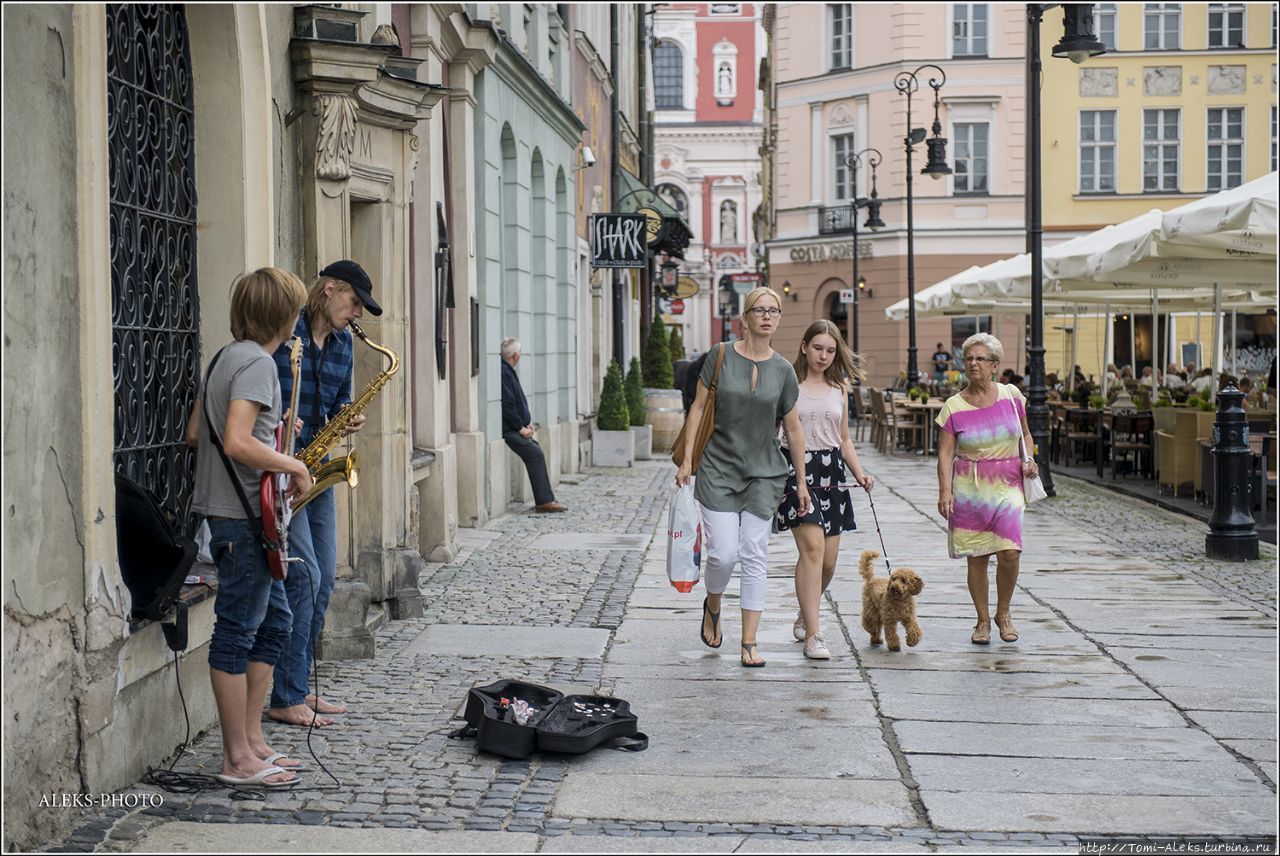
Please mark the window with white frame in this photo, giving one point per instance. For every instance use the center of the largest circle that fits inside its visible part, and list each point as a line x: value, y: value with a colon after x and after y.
x: 1226, y: 25
x: 668, y: 76
x: 1104, y: 24
x: 844, y: 189
x: 1097, y: 151
x: 1162, y: 26
x: 970, y: 168
x: 1224, y: 166
x: 725, y: 55
x: 840, y: 18
x: 969, y: 29
x: 1161, y: 148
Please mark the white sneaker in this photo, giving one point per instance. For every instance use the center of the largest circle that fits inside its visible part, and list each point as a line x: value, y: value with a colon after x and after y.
x: 797, y: 629
x: 816, y: 649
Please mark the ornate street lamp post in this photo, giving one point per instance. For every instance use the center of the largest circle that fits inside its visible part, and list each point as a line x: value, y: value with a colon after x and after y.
x: 908, y: 82
x: 1077, y: 44
x: 874, y: 223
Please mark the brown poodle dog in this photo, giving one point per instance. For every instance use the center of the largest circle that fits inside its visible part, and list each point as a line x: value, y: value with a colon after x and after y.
x: 886, y: 602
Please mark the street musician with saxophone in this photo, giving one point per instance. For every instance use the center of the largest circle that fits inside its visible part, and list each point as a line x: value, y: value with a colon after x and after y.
x: 341, y: 295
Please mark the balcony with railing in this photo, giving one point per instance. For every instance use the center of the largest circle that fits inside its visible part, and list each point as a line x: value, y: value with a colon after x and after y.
x: 835, y: 220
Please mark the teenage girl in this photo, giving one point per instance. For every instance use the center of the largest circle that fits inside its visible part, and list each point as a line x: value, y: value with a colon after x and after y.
x: 825, y: 368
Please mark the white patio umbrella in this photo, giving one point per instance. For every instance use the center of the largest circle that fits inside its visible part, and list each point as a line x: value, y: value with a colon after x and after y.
x: 1241, y: 221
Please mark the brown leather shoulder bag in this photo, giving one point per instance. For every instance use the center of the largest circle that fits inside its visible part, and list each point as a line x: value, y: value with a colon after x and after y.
x: 705, y: 427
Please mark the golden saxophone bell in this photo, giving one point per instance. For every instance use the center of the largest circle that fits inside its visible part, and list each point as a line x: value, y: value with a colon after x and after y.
x: 344, y: 469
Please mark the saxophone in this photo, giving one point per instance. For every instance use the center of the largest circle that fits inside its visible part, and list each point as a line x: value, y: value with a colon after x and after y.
x: 346, y: 468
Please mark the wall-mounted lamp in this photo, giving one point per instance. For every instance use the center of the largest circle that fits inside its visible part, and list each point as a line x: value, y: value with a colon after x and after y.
x: 670, y: 276
x: 787, y: 291
x: 863, y: 291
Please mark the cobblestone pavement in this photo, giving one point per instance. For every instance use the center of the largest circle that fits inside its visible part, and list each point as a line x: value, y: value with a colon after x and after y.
x: 1105, y: 709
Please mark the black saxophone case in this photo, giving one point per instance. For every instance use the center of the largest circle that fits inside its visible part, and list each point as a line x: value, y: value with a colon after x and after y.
x: 570, y: 725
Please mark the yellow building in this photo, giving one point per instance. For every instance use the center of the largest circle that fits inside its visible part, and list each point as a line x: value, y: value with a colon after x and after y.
x: 1182, y: 104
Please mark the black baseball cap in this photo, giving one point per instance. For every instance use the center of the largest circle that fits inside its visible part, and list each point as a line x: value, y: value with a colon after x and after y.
x: 353, y: 275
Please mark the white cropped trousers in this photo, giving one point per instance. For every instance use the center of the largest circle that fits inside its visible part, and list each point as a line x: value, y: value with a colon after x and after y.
x: 737, y: 538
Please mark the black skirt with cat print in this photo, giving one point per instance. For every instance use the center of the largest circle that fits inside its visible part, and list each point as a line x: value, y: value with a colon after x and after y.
x: 829, y: 482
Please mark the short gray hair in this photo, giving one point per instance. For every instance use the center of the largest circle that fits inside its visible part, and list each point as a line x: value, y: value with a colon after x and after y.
x: 510, y: 346
x: 986, y: 340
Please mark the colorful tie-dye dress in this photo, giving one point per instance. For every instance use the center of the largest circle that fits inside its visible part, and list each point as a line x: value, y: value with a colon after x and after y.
x: 986, y: 476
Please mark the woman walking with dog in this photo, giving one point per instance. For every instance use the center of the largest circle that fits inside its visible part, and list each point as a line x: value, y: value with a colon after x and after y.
x: 825, y: 368
x: 984, y: 453
x: 742, y: 472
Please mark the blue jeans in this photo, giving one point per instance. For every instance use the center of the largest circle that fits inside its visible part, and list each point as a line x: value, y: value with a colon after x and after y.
x: 252, y: 618
x: 313, y: 538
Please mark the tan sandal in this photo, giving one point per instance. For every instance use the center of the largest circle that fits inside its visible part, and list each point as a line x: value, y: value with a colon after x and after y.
x: 1007, y: 631
x: 981, y: 633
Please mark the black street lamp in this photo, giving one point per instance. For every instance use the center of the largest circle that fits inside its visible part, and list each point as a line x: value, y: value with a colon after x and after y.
x: 908, y: 82
x: 1077, y: 44
x: 874, y: 223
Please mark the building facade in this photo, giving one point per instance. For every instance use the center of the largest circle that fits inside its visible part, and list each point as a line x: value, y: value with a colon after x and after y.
x: 1181, y: 105
x: 318, y: 134
x: 839, y: 98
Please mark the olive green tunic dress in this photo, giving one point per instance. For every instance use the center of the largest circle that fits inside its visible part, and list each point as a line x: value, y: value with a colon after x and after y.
x: 742, y: 468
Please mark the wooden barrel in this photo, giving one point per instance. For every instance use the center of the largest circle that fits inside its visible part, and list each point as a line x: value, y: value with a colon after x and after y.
x: 664, y: 410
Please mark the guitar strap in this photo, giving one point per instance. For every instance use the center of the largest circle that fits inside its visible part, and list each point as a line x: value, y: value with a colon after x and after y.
x: 254, y: 520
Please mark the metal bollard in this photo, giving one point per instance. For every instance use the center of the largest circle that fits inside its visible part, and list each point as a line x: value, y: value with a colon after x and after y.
x: 1232, y: 535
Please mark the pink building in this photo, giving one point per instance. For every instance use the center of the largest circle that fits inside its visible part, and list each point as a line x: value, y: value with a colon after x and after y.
x: 832, y: 70
x: 706, y: 149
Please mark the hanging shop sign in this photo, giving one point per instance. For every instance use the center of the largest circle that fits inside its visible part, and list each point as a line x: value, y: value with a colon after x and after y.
x: 687, y: 287
x: 619, y: 241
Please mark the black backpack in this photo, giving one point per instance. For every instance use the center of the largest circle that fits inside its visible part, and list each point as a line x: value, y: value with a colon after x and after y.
x: 570, y: 725
x: 154, y: 556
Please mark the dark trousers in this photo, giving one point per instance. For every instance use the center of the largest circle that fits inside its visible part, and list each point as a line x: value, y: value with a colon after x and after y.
x: 535, y: 461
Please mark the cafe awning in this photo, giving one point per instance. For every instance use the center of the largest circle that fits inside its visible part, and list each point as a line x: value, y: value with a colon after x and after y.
x: 668, y: 232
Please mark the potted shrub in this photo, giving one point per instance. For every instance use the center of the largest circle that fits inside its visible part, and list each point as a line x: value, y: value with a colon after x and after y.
x: 613, y: 444
x: 675, y: 344
x: 658, y: 373
x: 634, y: 394
x: 1097, y: 402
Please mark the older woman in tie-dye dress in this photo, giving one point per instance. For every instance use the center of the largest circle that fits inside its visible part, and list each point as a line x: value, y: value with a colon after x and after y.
x: 980, y: 471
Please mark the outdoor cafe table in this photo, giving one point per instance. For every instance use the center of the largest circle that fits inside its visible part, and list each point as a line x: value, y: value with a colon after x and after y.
x: 926, y: 411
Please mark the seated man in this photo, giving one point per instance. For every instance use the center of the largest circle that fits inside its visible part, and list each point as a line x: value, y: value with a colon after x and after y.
x: 517, y: 430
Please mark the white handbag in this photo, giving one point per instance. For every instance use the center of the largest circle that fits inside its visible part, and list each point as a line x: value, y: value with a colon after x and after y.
x: 1032, y: 488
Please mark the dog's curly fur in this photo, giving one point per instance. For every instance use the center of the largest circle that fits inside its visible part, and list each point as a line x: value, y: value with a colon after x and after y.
x: 888, y: 602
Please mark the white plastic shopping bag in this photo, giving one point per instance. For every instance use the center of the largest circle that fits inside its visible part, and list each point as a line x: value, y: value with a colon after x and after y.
x: 684, y: 540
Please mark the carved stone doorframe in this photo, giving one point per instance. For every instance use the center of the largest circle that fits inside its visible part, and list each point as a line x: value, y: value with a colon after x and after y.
x: 358, y: 156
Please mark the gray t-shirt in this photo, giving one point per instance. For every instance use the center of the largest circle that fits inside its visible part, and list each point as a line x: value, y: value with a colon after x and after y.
x: 742, y: 468
x: 244, y: 372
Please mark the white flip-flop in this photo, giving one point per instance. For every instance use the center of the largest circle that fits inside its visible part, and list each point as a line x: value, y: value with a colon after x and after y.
x: 280, y: 756
x: 258, y: 779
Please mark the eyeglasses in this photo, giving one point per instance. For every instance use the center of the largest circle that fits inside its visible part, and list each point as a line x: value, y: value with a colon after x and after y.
x: 979, y: 360
x: 763, y: 311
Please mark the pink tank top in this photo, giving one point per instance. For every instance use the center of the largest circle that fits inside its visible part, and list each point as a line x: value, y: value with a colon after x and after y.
x: 820, y: 419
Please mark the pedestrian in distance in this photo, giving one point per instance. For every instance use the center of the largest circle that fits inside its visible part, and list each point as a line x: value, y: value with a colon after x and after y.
x: 981, y: 467
x: 251, y: 611
x: 826, y: 370
x: 518, y: 430
x: 341, y: 294
x: 941, y: 363
x: 742, y: 472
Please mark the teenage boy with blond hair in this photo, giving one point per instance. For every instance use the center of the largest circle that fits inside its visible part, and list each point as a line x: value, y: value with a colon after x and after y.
x: 242, y: 395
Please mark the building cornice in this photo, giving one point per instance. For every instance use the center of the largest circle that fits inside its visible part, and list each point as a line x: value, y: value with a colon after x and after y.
x: 594, y: 61
x: 852, y: 74
x: 514, y: 68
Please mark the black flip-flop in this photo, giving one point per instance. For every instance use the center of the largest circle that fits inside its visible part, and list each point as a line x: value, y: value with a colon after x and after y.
x: 715, y: 625
x: 750, y: 648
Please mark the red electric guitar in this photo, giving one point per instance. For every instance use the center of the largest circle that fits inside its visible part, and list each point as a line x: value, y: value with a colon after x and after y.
x: 277, y: 514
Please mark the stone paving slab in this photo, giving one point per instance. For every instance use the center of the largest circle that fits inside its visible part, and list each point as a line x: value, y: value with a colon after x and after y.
x: 621, y: 844
x: 714, y: 666
x: 992, y: 685
x: 1237, y: 724
x: 823, y: 802
x: 588, y: 541
x: 918, y: 660
x: 1043, y: 741
x: 1246, y: 698
x: 1104, y: 814
x: 1030, y: 711
x: 1257, y: 639
x: 776, y: 844
x: 977, y: 775
x: 476, y: 640
x: 185, y: 837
